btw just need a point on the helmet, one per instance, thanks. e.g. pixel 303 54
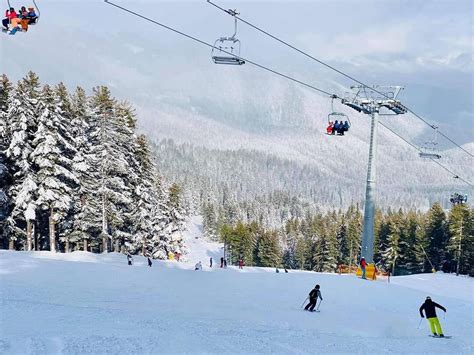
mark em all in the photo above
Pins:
pixel 317 286
pixel 428 298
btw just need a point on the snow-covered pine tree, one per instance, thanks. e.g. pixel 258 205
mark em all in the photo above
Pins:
pixel 52 160
pixel 86 220
pixel 22 120
pixel 145 198
pixel 109 143
pixel 5 180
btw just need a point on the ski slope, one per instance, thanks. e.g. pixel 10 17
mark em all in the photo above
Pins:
pixel 82 303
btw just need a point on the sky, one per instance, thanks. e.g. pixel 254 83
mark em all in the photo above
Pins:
pixel 426 46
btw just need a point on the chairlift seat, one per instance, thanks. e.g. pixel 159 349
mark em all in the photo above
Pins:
pixel 227 60
pixel 430 155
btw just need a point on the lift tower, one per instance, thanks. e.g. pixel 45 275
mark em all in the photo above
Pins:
pixel 373 101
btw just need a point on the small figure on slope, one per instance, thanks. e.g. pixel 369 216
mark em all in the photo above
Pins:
pixel 129 259
pixel 198 266
pixel 241 263
pixel 210 262
pixel 222 262
pixel 430 310
pixel 313 299
pixel 149 262
pixel 363 265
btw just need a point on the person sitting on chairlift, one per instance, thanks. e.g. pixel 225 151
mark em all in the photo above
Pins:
pixel 9 15
pixel 329 129
pixel 340 130
pixel 32 17
pixel 346 126
pixel 335 127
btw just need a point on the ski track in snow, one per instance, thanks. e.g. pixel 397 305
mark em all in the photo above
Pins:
pixel 82 303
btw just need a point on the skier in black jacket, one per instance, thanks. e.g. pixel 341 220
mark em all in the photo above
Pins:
pixel 430 310
pixel 313 298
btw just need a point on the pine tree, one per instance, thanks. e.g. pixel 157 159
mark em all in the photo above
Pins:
pixel 460 243
pixel 22 117
pixel 436 235
pixel 52 157
pixel 268 249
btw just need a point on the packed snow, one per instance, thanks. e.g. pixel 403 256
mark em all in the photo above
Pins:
pixel 81 303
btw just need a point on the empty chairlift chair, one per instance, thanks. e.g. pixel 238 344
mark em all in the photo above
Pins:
pixel 430 149
pixel 226 50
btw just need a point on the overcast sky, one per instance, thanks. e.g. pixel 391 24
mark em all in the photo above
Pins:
pixel 427 46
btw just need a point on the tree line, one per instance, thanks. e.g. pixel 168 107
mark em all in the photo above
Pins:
pixel 76 176
pixel 406 242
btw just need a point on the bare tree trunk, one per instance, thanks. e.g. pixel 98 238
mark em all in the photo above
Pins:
pixel 11 245
pixel 105 241
pixel 29 235
pixel 143 248
pixel 52 232
pixel 68 250
pixel 85 244
pixel 117 245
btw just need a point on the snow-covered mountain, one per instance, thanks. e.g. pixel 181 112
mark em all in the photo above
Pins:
pixel 180 94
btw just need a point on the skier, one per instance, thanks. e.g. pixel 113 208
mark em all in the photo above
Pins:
pixel 286 271
pixel 198 266
pixel 313 299
pixel 222 262
pixel 149 262
pixel 210 262
pixel 225 263
pixel 363 264
pixel 241 263
pixel 430 310
pixel 277 271
pixel 129 259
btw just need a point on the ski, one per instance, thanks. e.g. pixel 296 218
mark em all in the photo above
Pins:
pixel 436 336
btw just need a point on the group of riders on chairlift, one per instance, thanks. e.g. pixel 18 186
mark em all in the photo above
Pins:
pixel 338 127
pixel 19 21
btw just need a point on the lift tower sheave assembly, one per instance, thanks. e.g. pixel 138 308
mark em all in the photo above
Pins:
pixel 374 101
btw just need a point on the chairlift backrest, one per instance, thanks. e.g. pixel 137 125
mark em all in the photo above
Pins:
pixel 226 50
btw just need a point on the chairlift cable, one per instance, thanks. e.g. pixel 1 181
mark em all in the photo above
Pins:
pixel 336 70
pixel 224 51
pixel 333 96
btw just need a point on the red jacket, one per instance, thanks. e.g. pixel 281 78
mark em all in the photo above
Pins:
pixel 363 263
pixel 10 15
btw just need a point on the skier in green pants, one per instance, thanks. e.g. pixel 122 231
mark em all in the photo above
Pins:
pixel 430 310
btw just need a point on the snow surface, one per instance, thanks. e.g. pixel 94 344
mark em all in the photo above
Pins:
pixel 83 303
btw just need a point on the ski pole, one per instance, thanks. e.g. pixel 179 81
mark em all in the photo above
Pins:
pixel 420 323
pixel 317 309
pixel 304 302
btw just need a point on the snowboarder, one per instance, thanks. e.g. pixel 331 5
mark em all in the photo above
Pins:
pixel 363 264
pixel 430 310
pixel 313 298
pixel 222 262
pixel 129 259
pixel 149 262
pixel 210 262
pixel 198 266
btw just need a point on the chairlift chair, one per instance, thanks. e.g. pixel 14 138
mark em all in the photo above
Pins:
pixel 430 149
pixel 339 116
pixel 226 50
